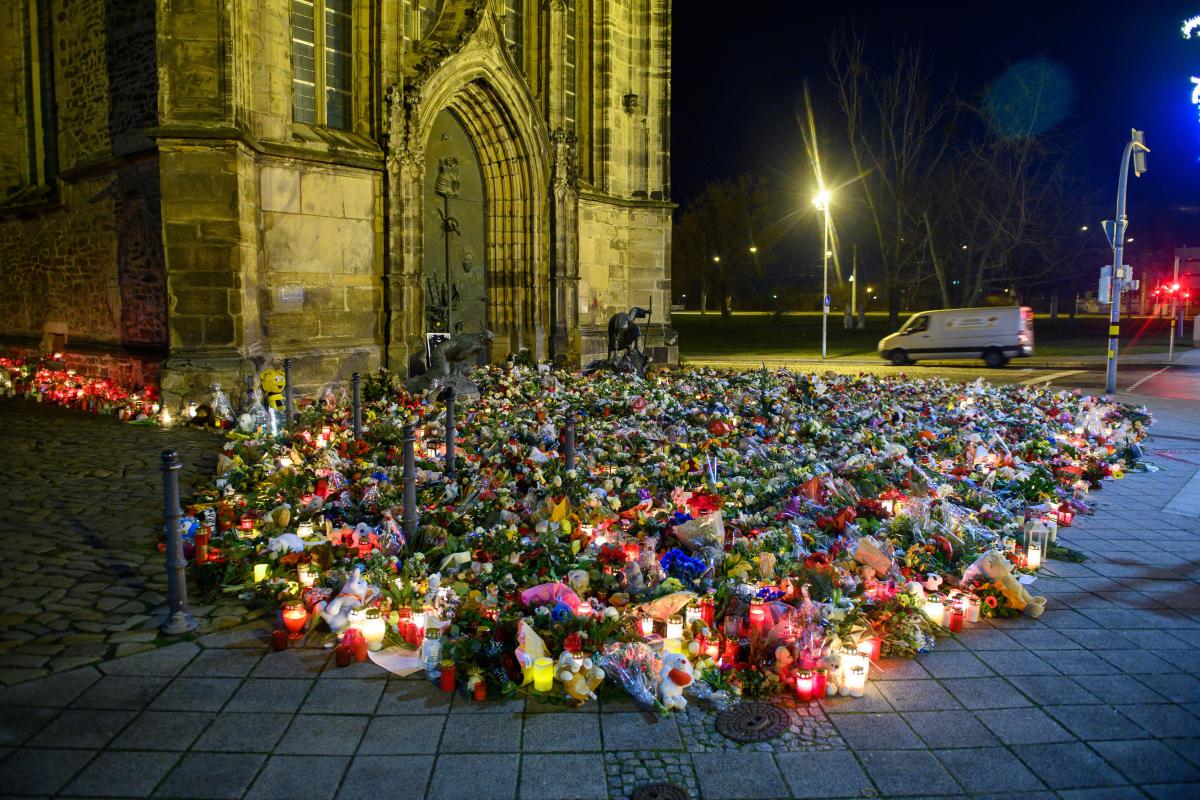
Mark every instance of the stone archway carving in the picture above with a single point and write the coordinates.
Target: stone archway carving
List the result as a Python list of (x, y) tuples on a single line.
[(480, 85)]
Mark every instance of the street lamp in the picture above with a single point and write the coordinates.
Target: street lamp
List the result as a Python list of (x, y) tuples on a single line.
[(753, 249), (821, 201)]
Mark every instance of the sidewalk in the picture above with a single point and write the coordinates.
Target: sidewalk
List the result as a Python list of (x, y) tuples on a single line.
[(1100, 697)]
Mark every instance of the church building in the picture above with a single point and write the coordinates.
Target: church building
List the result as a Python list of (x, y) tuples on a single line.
[(191, 189)]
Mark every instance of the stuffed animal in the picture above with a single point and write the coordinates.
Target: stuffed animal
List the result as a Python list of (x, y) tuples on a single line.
[(783, 663), (287, 542), (579, 580), (676, 675), (273, 383), (579, 676), (932, 582), (550, 594), (993, 566), (355, 593)]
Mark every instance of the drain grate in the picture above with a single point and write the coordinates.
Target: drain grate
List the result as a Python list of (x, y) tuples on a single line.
[(660, 791), (752, 722)]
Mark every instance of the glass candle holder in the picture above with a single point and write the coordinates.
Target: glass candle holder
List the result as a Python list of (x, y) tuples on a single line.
[(374, 628), (758, 614), (294, 617), (675, 627), (805, 685), (935, 609), (973, 608), (543, 674)]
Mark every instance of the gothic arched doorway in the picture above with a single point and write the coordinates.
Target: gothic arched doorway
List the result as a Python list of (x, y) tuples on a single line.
[(454, 230)]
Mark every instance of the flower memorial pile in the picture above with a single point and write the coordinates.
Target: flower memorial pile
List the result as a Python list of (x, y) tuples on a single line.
[(748, 532), (48, 380)]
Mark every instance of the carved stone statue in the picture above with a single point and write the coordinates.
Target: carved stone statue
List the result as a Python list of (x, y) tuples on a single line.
[(450, 364), (447, 177), (624, 355)]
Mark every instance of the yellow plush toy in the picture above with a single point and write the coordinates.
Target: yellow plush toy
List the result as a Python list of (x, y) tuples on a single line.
[(995, 567), (579, 676), (273, 384)]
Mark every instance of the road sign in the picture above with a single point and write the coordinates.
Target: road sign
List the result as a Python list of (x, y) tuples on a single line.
[(826, 302), (1110, 230)]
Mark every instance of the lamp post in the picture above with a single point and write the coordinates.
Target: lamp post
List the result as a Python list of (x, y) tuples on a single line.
[(821, 201), (1115, 229)]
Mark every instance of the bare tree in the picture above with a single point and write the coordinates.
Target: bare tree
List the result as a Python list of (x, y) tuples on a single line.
[(723, 235), (896, 127)]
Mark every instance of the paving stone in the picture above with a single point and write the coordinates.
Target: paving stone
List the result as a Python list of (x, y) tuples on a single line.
[(396, 777), (413, 697), (950, 729), (83, 728), (563, 777), (900, 772), (482, 777), (875, 731), (976, 693), (917, 696), (484, 733), (33, 771), (1069, 765), (639, 731), (322, 734), (1115, 689), (288, 777), (1163, 721), (243, 733), (161, 662), (354, 696), (1092, 723), (292, 664), (872, 701), (19, 723), (1003, 772), (955, 665), (53, 692), (270, 694), (1147, 761), (417, 733), (211, 776), (196, 694), (561, 733), (1056, 689), (730, 775), (116, 774), (162, 730), (833, 773), (1017, 726), (120, 691), (226, 663)]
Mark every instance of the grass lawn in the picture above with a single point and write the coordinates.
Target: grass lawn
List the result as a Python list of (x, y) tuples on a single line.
[(752, 334)]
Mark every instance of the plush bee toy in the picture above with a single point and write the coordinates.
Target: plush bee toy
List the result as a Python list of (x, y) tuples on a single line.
[(273, 384)]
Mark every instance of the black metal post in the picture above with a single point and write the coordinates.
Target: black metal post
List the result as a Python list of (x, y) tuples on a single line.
[(451, 433), (287, 391), (409, 522), (356, 381), (569, 440), (179, 617)]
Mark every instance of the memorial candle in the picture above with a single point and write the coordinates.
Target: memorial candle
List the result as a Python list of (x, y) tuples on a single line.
[(543, 674), (805, 684)]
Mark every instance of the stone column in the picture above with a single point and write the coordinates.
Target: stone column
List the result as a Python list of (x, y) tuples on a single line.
[(564, 250)]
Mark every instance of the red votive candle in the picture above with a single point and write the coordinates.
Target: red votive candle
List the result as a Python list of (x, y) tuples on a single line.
[(279, 639), (956, 619), (805, 683)]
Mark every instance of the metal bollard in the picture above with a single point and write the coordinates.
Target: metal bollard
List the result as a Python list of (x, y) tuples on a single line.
[(569, 440), (409, 522), (451, 433), (287, 391), (356, 382), (179, 617)]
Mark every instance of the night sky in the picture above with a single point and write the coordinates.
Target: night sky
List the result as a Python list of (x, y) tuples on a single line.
[(737, 82)]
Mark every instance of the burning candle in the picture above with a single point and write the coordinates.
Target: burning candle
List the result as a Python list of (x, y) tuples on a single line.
[(1033, 556), (246, 524), (374, 628), (584, 609), (294, 617), (404, 615), (870, 648), (675, 627), (304, 530), (647, 625), (820, 682), (543, 674), (632, 551), (956, 619), (1064, 515), (758, 614), (260, 572), (730, 655), (306, 575), (707, 611), (856, 682), (850, 661), (691, 614), (973, 605), (935, 609), (805, 685)]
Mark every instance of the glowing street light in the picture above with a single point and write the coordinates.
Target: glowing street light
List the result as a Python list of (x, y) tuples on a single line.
[(821, 201), (753, 249), (716, 259), (1083, 227)]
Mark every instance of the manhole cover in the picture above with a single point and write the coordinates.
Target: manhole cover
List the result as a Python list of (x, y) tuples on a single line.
[(659, 791), (752, 722)]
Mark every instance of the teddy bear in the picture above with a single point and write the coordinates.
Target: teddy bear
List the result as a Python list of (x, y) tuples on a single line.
[(355, 593), (676, 675), (993, 566), (932, 582), (579, 676)]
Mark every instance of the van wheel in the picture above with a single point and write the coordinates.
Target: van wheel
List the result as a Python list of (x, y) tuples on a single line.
[(994, 358), (899, 357)]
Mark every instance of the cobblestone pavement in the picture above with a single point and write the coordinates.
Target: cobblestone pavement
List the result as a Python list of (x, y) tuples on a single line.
[(1100, 697), (80, 514)]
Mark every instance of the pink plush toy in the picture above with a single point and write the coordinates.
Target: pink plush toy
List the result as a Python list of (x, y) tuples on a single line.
[(550, 594)]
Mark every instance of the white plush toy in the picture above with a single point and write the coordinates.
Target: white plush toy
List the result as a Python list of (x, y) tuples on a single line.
[(676, 675), (356, 593), (579, 676), (932, 582), (288, 542)]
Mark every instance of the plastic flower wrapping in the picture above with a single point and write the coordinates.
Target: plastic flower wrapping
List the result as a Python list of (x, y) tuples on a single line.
[(730, 529)]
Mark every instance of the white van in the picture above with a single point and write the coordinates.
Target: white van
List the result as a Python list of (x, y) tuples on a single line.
[(993, 334)]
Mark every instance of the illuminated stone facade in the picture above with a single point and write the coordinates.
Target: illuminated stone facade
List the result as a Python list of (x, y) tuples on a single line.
[(186, 215)]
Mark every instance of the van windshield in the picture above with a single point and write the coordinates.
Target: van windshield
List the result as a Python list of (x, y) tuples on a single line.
[(915, 324)]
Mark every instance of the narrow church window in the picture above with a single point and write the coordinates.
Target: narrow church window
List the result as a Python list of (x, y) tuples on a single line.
[(39, 94), (514, 27), (569, 69), (427, 15), (321, 62)]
